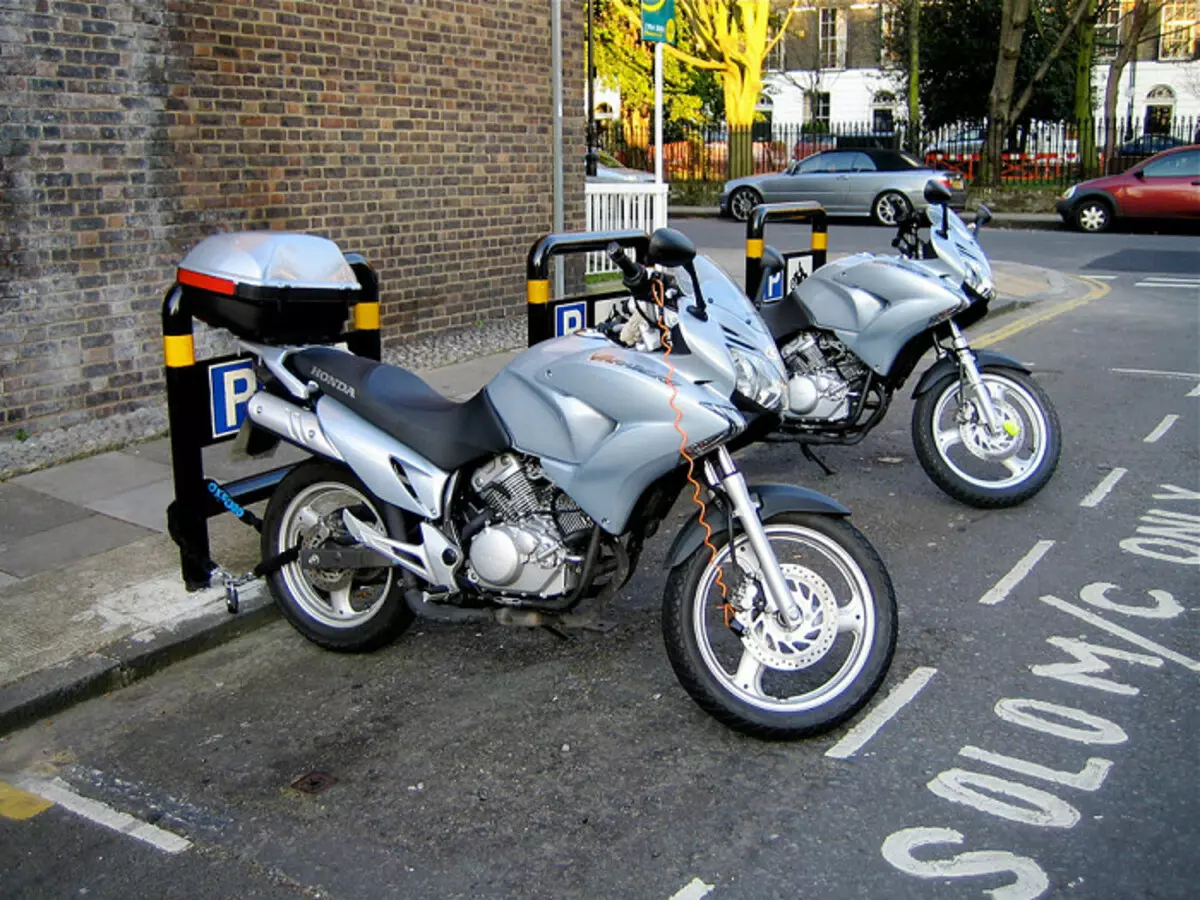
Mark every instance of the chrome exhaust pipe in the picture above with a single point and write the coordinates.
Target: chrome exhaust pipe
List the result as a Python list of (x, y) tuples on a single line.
[(292, 423)]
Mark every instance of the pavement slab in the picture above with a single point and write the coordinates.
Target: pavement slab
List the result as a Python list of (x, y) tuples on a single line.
[(86, 481), (25, 512), (51, 548)]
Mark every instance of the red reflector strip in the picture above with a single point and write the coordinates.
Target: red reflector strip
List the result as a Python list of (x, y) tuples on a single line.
[(206, 282)]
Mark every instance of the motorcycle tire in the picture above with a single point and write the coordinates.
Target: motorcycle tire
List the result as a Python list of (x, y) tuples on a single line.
[(768, 681), (348, 610), (1021, 462)]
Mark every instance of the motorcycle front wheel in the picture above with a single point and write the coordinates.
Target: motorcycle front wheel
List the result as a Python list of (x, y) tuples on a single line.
[(960, 454), (744, 667)]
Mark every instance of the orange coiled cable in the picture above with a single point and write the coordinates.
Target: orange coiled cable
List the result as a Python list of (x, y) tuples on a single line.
[(657, 291)]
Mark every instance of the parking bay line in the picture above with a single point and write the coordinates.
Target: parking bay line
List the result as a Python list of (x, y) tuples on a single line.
[(1160, 429), (1016, 574), (56, 791), (1103, 489), (1185, 376), (901, 695), (693, 890)]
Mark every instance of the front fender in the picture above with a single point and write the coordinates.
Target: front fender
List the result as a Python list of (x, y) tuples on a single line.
[(947, 366), (771, 499)]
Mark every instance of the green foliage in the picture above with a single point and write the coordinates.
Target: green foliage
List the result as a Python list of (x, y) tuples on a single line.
[(624, 61), (958, 58), (21, 435)]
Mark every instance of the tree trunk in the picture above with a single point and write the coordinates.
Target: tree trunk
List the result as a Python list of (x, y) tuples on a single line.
[(1084, 118), (914, 73), (1014, 14), (741, 102), (1141, 15)]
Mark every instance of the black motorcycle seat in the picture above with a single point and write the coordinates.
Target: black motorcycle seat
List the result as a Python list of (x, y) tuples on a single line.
[(447, 433)]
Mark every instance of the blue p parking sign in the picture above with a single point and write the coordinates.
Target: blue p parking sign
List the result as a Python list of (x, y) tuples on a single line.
[(230, 386), (569, 317)]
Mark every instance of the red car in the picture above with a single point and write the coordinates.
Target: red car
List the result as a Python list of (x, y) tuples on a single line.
[(1165, 186)]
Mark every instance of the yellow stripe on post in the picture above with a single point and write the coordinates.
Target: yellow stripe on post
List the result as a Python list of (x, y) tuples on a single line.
[(537, 291), (754, 248), (179, 350), (820, 240), (366, 317), (17, 804)]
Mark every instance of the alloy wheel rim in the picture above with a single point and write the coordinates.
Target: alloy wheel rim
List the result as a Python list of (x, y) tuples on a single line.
[(1019, 411), (311, 519), (854, 619)]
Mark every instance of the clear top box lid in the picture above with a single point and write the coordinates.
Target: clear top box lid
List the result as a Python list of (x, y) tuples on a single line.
[(271, 259)]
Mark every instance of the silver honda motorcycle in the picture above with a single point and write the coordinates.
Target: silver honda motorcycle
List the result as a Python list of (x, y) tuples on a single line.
[(529, 504), (852, 332)]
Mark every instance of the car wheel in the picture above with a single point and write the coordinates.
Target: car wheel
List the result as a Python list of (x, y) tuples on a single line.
[(1092, 215), (742, 203), (890, 208)]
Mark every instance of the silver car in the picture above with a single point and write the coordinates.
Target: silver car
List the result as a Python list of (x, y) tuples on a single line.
[(883, 184)]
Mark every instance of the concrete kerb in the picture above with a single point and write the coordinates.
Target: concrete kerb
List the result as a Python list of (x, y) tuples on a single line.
[(49, 691)]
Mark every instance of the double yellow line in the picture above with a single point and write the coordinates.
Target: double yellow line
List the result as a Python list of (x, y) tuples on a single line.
[(1098, 290)]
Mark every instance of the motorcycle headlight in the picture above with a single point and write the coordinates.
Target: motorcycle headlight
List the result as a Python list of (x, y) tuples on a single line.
[(760, 380), (978, 280)]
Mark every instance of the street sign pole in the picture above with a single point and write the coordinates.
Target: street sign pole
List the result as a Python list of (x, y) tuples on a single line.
[(658, 112)]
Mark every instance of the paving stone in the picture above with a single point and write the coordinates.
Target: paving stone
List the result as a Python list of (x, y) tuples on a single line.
[(24, 512), (145, 506), (55, 547), (88, 480)]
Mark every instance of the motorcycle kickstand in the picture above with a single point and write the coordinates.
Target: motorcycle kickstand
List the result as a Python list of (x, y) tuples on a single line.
[(812, 457)]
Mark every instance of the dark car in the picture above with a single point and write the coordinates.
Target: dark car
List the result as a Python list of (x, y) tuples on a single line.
[(1166, 186), (884, 184), (1149, 144)]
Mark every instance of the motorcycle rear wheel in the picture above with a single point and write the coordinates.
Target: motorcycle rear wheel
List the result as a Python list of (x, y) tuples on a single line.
[(983, 470), (352, 610), (769, 681)]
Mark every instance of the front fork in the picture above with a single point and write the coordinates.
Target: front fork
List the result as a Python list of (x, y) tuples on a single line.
[(724, 474), (969, 372)]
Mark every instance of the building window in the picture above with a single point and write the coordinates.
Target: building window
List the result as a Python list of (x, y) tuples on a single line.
[(1108, 30), (1177, 29), (816, 107), (833, 38), (889, 21), (777, 58)]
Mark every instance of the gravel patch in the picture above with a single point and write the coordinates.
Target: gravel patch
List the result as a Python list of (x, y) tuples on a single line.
[(113, 432)]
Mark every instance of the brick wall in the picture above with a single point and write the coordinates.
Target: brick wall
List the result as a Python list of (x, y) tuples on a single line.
[(417, 133)]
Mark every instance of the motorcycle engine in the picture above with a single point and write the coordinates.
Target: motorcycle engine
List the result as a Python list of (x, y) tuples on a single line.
[(526, 551), (821, 376)]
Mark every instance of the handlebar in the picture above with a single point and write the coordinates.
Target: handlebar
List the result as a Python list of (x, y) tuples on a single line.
[(633, 275)]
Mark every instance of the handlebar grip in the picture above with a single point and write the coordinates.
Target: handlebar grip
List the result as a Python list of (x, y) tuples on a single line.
[(634, 274)]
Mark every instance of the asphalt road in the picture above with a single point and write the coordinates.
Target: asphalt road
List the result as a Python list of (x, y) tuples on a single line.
[(1048, 744)]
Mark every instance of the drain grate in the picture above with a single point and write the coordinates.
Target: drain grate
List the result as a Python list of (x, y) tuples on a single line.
[(314, 782)]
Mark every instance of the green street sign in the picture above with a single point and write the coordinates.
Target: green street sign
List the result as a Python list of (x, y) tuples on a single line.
[(658, 21)]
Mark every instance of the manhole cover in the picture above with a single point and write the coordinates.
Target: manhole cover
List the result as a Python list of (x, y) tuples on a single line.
[(313, 782)]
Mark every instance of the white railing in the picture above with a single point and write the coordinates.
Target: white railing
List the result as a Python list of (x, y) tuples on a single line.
[(617, 207)]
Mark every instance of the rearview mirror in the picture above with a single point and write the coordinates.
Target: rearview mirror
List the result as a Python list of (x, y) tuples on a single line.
[(936, 192), (983, 215), (670, 248), (1139, 174)]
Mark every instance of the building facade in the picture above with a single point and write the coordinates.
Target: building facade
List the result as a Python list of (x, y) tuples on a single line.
[(832, 66), (130, 131)]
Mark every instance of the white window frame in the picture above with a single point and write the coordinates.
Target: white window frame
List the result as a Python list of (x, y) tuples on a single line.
[(1108, 30), (831, 37), (1176, 30), (889, 15)]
